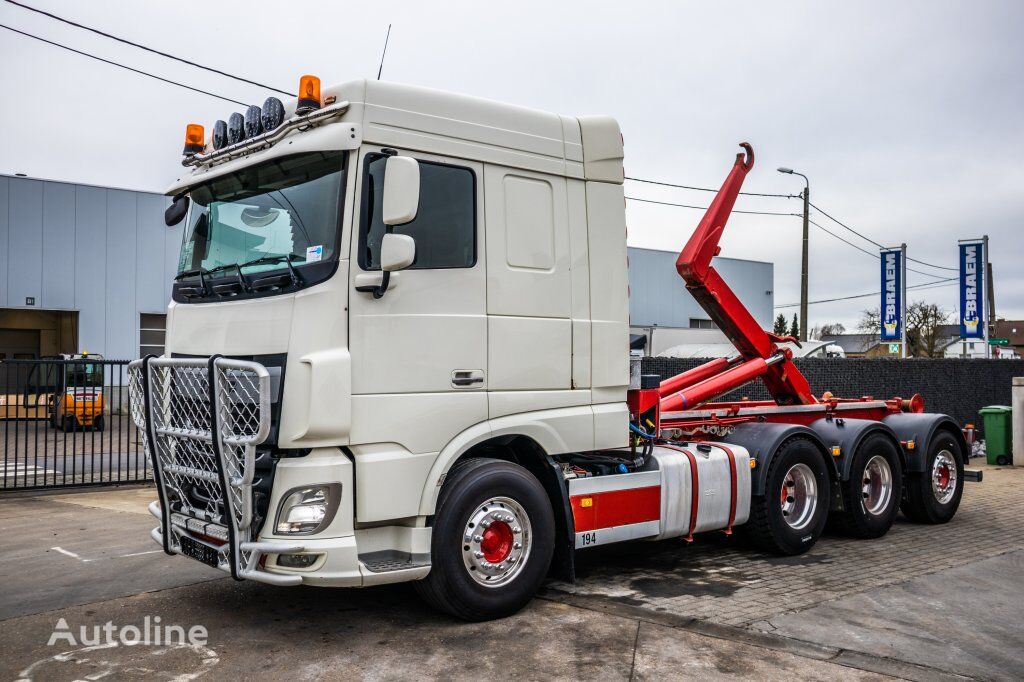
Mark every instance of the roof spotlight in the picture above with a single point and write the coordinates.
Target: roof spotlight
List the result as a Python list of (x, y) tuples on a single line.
[(220, 134), (236, 128), (253, 125), (272, 113)]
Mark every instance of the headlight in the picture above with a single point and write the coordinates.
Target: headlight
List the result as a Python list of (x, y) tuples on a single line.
[(306, 510)]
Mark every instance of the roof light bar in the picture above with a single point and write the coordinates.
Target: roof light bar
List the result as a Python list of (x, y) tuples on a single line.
[(267, 139)]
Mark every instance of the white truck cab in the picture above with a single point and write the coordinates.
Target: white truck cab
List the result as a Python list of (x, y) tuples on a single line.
[(503, 324)]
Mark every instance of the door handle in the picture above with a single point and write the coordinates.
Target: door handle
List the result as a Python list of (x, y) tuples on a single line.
[(467, 378)]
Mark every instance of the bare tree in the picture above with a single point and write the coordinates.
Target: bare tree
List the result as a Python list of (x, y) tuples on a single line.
[(819, 331), (923, 323), (870, 321)]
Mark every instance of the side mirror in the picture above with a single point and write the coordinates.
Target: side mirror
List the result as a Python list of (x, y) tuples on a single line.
[(175, 213), (401, 190), (397, 252)]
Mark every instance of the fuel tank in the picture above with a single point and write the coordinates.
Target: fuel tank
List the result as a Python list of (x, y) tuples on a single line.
[(680, 490)]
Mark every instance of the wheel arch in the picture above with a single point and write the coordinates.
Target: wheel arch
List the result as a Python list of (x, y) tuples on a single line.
[(847, 435), (529, 452), (763, 440), (921, 428)]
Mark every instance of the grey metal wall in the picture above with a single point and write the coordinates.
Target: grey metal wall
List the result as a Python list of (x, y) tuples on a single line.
[(658, 296), (103, 252)]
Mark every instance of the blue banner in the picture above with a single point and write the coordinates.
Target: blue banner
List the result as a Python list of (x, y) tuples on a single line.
[(891, 310), (972, 290)]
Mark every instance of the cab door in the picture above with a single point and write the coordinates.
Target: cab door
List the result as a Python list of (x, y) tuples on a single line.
[(419, 351)]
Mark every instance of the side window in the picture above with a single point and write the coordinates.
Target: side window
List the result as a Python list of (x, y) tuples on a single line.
[(445, 224)]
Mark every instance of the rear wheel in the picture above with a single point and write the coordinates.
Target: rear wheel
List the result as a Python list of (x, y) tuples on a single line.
[(871, 495), (791, 514), (492, 541), (933, 495)]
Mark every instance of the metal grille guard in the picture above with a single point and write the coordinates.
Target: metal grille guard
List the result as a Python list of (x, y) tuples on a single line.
[(200, 421)]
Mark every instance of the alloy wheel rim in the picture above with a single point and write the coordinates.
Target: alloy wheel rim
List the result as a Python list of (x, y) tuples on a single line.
[(876, 485), (798, 496), (496, 542), (944, 478)]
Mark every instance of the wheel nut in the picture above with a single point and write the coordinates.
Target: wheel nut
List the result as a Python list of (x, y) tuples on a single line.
[(478, 538), (517, 545), (517, 529), (478, 555)]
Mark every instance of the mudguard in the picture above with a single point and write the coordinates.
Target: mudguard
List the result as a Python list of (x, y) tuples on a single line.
[(920, 427), (847, 434), (762, 441)]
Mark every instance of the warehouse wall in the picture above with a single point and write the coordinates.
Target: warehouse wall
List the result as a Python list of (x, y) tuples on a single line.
[(956, 387), (657, 294), (103, 252)]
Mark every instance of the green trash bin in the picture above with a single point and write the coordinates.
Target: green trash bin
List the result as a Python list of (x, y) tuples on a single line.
[(998, 425)]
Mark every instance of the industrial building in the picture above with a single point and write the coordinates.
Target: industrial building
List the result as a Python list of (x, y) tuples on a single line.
[(85, 268)]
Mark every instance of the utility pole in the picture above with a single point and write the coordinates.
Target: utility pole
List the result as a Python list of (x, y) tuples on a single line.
[(804, 266)]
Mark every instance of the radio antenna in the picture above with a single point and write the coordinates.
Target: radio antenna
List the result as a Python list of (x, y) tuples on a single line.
[(382, 54)]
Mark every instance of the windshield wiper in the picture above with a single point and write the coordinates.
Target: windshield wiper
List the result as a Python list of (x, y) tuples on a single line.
[(189, 292), (286, 257)]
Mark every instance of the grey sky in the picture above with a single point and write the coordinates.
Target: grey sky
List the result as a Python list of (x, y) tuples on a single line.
[(906, 116)]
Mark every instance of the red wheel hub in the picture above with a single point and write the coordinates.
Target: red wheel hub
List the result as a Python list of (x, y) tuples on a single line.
[(943, 477), (497, 542)]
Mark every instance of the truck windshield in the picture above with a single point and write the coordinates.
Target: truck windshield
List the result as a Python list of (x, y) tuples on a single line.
[(279, 213)]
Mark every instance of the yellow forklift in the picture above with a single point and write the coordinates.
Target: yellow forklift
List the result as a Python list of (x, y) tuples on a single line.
[(75, 385)]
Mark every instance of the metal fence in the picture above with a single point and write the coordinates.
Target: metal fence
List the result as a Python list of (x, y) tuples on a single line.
[(68, 423)]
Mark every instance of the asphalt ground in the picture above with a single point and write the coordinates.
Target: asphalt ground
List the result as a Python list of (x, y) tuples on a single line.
[(924, 602)]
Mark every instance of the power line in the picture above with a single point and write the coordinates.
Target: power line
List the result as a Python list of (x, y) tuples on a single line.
[(127, 68), (709, 189), (863, 250), (704, 208), (865, 237), (925, 286), (149, 49)]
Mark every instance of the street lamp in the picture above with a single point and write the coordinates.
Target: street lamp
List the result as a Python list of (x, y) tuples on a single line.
[(803, 267)]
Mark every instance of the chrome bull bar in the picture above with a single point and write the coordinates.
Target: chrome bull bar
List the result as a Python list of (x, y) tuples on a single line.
[(201, 420)]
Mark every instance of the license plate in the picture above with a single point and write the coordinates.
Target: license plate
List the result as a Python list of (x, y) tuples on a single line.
[(199, 551)]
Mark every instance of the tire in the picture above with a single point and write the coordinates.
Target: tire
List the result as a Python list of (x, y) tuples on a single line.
[(488, 491), (924, 502), (770, 527), (872, 493), (67, 424), (97, 423)]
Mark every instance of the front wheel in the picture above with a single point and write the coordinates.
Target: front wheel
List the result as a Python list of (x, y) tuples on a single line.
[(933, 495), (791, 514), (492, 541)]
